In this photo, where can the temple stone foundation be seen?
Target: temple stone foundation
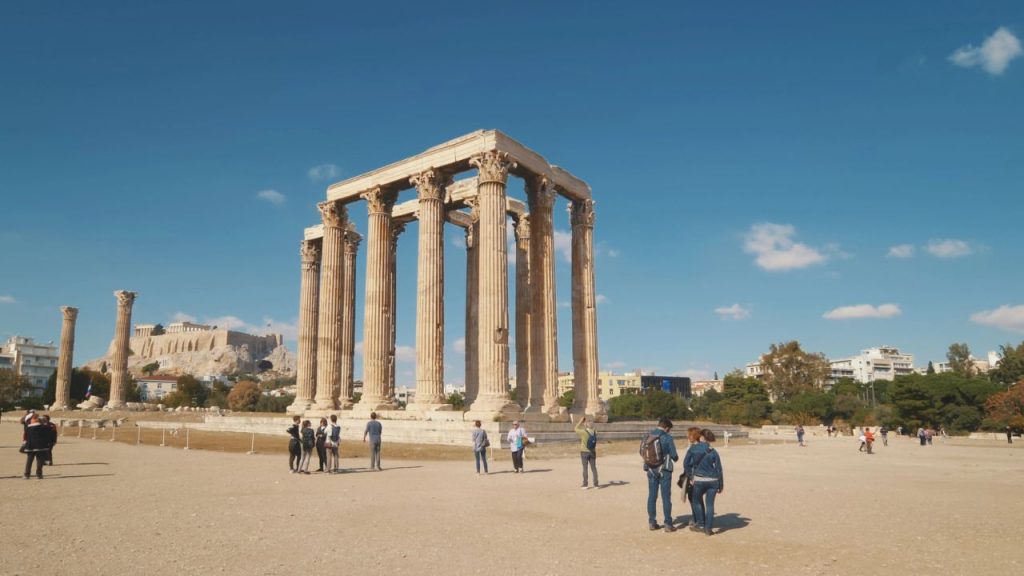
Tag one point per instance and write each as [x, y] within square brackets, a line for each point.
[447, 192]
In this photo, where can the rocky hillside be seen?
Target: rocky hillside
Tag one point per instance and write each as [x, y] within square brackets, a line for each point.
[225, 360]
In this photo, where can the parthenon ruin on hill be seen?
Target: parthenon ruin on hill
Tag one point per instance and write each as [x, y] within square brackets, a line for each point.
[479, 205]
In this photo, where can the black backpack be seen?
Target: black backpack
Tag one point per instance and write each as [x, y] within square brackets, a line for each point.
[651, 452]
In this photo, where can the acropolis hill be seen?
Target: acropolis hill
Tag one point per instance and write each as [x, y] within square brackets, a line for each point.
[189, 348]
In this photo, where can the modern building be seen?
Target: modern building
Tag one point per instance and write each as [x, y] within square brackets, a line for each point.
[700, 387]
[36, 362]
[879, 363]
[980, 366]
[156, 387]
[610, 385]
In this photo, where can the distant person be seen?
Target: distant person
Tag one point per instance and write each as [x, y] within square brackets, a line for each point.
[39, 439]
[799, 434]
[863, 441]
[480, 446]
[928, 433]
[942, 434]
[45, 421]
[920, 436]
[334, 445]
[1009, 435]
[708, 481]
[899, 430]
[869, 439]
[372, 431]
[308, 443]
[884, 433]
[294, 445]
[517, 442]
[659, 474]
[588, 449]
[321, 444]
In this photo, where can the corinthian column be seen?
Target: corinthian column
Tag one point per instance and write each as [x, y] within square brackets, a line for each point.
[430, 187]
[62, 400]
[522, 230]
[328, 349]
[543, 320]
[396, 230]
[309, 302]
[493, 253]
[348, 317]
[377, 315]
[584, 310]
[119, 362]
[472, 305]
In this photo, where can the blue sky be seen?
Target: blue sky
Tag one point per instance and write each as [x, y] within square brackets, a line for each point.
[757, 166]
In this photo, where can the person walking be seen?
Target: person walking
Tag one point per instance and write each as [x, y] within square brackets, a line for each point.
[588, 449]
[45, 421]
[884, 433]
[308, 443]
[294, 445]
[1009, 435]
[659, 476]
[869, 439]
[39, 439]
[372, 431]
[708, 482]
[334, 445]
[480, 446]
[321, 444]
[920, 436]
[517, 442]
[799, 434]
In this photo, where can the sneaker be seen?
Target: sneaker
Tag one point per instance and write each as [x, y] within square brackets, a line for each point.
[654, 527]
[708, 532]
[670, 528]
[584, 487]
[695, 528]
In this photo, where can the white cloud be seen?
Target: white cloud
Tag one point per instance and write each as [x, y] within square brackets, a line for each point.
[459, 346]
[613, 253]
[775, 249]
[563, 244]
[704, 373]
[950, 248]
[182, 317]
[564, 304]
[405, 354]
[272, 196]
[459, 241]
[863, 311]
[322, 172]
[1005, 317]
[358, 349]
[616, 365]
[901, 251]
[994, 54]
[734, 312]
[601, 299]
[4, 299]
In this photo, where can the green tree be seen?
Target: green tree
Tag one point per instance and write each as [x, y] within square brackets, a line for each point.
[457, 399]
[959, 357]
[931, 368]
[812, 407]
[566, 400]
[150, 368]
[744, 401]
[789, 370]
[1010, 368]
[1006, 408]
[625, 407]
[188, 392]
[244, 396]
[13, 388]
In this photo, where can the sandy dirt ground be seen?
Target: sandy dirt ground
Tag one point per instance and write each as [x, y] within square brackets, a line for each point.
[117, 508]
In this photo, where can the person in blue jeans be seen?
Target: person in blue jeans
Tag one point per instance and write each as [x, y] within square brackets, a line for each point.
[705, 469]
[660, 479]
[480, 445]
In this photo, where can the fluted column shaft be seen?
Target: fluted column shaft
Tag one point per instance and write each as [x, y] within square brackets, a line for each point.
[584, 309]
[309, 306]
[332, 267]
[543, 320]
[122, 335]
[472, 308]
[377, 315]
[348, 318]
[523, 310]
[430, 289]
[493, 313]
[62, 399]
[392, 287]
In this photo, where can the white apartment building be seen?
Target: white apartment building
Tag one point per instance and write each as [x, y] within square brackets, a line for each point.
[980, 366]
[156, 387]
[34, 361]
[880, 363]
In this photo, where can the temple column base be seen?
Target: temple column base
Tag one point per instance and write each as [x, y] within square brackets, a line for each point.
[299, 408]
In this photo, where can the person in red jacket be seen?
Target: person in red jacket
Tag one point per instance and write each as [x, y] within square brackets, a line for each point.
[869, 439]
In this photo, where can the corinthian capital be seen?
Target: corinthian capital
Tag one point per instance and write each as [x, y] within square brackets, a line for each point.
[379, 201]
[333, 213]
[493, 166]
[521, 225]
[310, 252]
[125, 299]
[581, 213]
[352, 240]
[430, 184]
[540, 194]
[70, 313]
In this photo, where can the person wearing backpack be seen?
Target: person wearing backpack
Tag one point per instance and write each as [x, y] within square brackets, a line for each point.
[308, 443]
[705, 468]
[334, 445]
[659, 452]
[588, 449]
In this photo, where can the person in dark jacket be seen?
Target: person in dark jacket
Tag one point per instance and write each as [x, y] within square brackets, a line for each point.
[321, 444]
[708, 482]
[45, 421]
[660, 479]
[39, 439]
[294, 445]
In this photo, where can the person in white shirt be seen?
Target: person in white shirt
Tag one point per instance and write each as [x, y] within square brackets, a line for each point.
[517, 441]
